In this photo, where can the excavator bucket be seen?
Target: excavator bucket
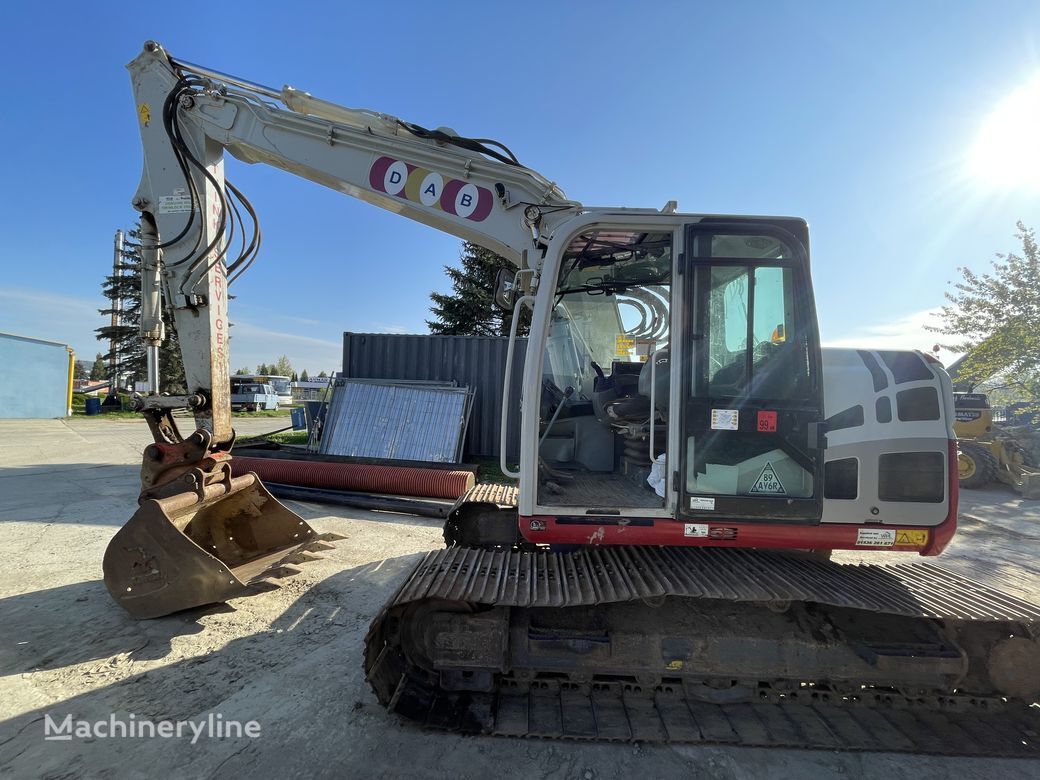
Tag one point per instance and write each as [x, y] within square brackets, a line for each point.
[214, 543]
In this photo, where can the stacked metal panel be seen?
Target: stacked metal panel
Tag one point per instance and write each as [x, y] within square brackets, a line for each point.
[396, 421]
[477, 361]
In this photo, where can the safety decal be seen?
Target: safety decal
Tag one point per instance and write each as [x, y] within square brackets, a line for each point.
[768, 483]
[911, 536]
[722, 532]
[695, 529]
[144, 113]
[724, 419]
[174, 204]
[705, 504]
[430, 189]
[875, 537]
[766, 422]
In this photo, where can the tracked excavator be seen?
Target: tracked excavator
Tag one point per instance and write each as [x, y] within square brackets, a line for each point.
[689, 457]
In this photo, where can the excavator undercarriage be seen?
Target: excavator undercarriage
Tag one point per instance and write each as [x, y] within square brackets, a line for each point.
[709, 645]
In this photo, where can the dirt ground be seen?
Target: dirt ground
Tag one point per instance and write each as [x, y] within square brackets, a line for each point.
[290, 659]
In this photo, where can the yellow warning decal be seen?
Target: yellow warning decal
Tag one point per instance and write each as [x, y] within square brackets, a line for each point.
[911, 537]
[144, 113]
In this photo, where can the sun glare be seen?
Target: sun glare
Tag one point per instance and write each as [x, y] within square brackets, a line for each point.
[1007, 151]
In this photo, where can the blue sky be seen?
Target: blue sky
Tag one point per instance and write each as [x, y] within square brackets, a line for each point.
[859, 117]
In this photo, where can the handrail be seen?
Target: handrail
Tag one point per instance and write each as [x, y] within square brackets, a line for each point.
[525, 300]
[653, 400]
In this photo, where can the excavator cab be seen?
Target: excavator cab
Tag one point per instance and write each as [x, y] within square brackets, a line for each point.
[728, 415]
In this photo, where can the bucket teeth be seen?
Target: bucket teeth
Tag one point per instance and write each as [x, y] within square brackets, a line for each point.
[329, 537]
[302, 556]
[281, 571]
[319, 546]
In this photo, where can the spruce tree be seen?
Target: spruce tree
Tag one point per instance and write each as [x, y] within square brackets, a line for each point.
[469, 310]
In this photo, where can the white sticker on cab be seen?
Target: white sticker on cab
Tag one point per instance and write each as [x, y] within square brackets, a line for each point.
[724, 419]
[695, 529]
[875, 537]
[699, 502]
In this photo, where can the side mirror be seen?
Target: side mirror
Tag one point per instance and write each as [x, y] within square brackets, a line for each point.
[505, 289]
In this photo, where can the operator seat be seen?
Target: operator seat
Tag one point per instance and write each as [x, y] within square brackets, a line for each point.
[636, 408]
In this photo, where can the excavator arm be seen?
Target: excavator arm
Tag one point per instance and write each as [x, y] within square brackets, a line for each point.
[202, 535]
[190, 115]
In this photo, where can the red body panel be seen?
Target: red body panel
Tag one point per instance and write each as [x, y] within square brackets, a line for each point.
[667, 532]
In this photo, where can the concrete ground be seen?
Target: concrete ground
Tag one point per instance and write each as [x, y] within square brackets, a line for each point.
[290, 659]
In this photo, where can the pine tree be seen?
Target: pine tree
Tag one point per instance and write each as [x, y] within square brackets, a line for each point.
[470, 309]
[303, 376]
[244, 371]
[323, 375]
[99, 369]
[130, 356]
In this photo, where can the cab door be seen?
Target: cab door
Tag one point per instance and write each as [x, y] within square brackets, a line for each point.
[751, 428]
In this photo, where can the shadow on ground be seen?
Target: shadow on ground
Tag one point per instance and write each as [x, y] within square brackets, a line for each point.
[45, 630]
[299, 673]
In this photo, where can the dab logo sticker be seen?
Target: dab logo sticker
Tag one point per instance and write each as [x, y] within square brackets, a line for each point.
[431, 189]
[768, 483]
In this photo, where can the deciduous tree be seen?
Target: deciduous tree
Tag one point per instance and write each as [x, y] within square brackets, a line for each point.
[99, 369]
[994, 319]
[282, 367]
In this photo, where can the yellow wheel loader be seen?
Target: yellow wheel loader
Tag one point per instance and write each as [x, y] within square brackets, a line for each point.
[988, 452]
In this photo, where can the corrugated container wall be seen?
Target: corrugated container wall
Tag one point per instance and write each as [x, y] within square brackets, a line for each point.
[477, 361]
